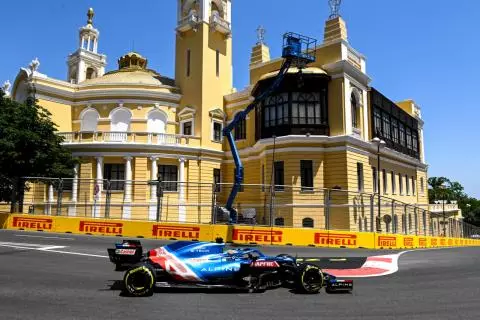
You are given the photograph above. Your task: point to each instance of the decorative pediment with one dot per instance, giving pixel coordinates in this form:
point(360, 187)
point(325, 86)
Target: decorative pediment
point(218, 114)
point(186, 113)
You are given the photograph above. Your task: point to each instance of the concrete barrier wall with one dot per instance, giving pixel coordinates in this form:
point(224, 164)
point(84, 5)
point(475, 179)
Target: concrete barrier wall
point(234, 234)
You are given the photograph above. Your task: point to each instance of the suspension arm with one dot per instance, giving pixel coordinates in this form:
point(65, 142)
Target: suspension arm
point(227, 132)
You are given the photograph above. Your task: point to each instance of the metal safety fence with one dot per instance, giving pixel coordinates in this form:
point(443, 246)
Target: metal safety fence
point(260, 205)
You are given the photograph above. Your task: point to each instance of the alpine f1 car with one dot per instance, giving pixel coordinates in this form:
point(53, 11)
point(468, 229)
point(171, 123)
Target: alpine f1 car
point(213, 265)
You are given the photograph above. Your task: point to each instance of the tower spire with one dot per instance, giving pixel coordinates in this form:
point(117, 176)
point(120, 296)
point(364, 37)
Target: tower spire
point(335, 26)
point(86, 62)
point(335, 8)
point(90, 15)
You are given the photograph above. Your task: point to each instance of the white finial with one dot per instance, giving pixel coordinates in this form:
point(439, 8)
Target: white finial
point(6, 88)
point(335, 8)
point(34, 65)
point(261, 35)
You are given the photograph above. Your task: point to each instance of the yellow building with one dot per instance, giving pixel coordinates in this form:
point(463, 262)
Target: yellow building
point(316, 131)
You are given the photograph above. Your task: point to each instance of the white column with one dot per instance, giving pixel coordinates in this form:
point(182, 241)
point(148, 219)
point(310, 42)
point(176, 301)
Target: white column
point(182, 214)
point(152, 215)
point(81, 41)
point(99, 186)
point(348, 108)
point(95, 44)
point(153, 176)
point(365, 129)
point(88, 44)
point(127, 206)
point(128, 178)
point(72, 207)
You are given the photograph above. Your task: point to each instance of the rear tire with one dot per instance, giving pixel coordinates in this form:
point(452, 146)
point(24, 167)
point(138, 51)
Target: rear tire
point(310, 279)
point(139, 281)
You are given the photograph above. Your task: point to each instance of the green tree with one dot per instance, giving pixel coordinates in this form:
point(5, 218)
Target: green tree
point(29, 147)
point(435, 190)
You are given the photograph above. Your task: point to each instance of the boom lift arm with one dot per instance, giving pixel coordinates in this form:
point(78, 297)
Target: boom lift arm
point(297, 51)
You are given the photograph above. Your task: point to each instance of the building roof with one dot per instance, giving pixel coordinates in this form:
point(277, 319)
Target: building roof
point(132, 70)
point(308, 70)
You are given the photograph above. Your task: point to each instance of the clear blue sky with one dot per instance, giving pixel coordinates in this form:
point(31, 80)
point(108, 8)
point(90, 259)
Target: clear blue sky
point(424, 50)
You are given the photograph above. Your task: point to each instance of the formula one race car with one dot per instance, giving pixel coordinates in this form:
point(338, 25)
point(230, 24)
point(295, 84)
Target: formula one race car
point(213, 265)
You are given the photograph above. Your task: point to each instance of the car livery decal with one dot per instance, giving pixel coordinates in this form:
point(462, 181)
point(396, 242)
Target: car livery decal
point(173, 265)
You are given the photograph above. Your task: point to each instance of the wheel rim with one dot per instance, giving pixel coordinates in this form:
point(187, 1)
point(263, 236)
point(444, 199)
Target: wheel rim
point(312, 279)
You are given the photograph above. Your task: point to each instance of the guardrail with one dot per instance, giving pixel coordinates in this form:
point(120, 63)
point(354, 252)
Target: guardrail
point(257, 205)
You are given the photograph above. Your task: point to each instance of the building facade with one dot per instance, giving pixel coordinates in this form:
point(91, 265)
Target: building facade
point(315, 133)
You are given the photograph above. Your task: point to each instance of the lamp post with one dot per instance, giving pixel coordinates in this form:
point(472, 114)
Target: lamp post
point(443, 187)
point(379, 144)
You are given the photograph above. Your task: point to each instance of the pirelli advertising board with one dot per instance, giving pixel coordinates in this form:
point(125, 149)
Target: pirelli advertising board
point(236, 234)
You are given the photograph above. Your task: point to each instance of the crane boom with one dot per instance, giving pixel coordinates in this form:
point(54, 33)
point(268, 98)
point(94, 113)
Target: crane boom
point(292, 54)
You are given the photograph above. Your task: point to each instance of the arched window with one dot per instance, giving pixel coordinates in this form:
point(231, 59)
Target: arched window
point(279, 221)
point(156, 122)
point(89, 120)
point(307, 223)
point(354, 104)
point(120, 124)
point(91, 73)
point(216, 8)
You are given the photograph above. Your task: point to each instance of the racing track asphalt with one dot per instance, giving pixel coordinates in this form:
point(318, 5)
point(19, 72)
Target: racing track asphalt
point(430, 284)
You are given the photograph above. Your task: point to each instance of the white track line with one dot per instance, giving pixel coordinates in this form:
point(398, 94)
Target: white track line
point(29, 236)
point(36, 247)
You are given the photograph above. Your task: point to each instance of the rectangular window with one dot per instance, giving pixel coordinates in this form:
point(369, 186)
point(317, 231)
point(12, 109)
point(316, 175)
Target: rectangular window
point(386, 125)
point(187, 128)
point(402, 134)
point(360, 182)
point(374, 179)
point(385, 184)
point(409, 138)
point(279, 176)
point(395, 135)
point(115, 172)
point(240, 131)
point(413, 185)
point(169, 176)
point(188, 63)
point(306, 173)
point(217, 131)
point(415, 141)
point(421, 185)
point(394, 185)
point(407, 185)
point(216, 179)
point(400, 183)
point(217, 63)
point(377, 122)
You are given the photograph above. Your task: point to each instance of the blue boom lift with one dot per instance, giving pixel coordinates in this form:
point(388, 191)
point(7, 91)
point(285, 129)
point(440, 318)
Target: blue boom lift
point(298, 51)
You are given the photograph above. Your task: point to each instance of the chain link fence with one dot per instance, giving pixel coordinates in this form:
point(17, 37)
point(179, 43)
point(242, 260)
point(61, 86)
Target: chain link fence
point(261, 205)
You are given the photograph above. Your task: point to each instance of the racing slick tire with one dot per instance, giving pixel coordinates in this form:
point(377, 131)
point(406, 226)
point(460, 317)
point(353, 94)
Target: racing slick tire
point(139, 280)
point(310, 279)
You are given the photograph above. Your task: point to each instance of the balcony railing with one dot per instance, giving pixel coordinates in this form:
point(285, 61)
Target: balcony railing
point(84, 137)
point(219, 24)
point(188, 22)
point(438, 207)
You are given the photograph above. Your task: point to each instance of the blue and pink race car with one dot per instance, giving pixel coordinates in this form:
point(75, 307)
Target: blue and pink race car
point(213, 265)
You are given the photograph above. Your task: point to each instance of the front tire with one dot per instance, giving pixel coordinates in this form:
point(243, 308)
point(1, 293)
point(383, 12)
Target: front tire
point(139, 281)
point(310, 279)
